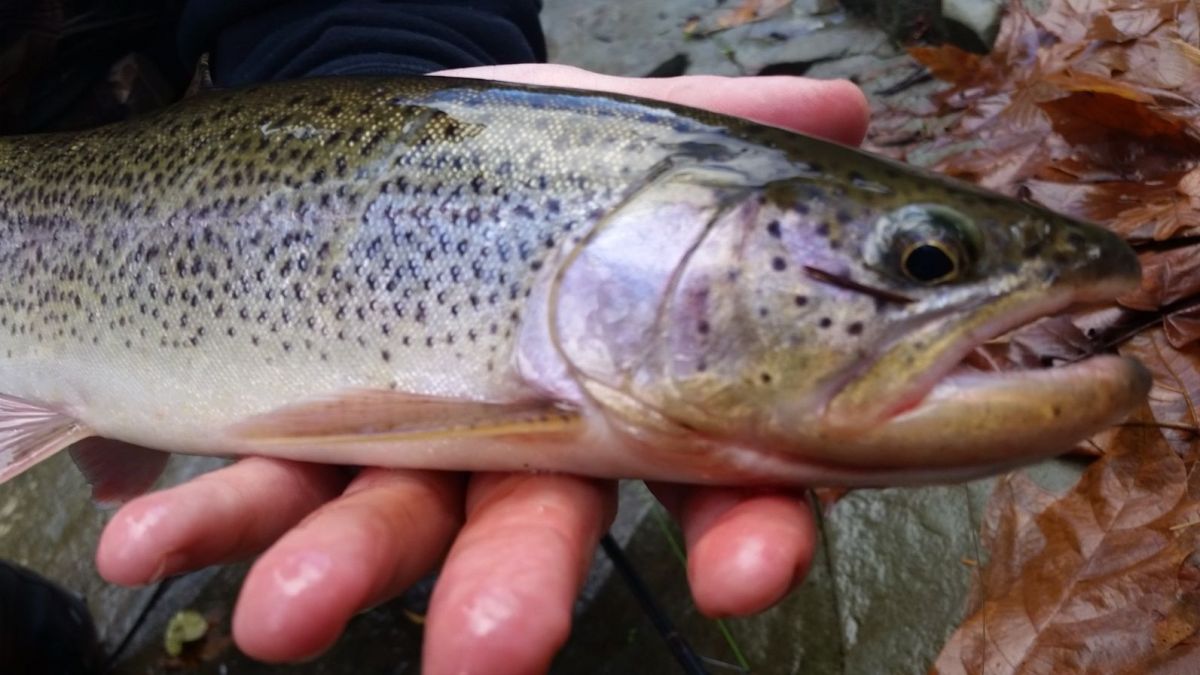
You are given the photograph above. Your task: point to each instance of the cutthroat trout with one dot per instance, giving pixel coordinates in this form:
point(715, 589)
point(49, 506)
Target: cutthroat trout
point(456, 274)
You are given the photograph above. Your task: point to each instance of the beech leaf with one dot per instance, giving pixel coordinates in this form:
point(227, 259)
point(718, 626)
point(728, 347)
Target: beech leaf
point(1092, 108)
point(1090, 576)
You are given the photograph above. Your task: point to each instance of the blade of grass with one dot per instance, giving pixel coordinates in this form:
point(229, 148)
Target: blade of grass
point(665, 525)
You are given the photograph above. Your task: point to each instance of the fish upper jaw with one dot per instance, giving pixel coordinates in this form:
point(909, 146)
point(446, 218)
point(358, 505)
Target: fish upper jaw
point(904, 370)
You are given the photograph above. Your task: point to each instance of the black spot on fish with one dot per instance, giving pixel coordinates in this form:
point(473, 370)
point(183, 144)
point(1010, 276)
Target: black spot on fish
point(778, 264)
point(825, 322)
point(855, 328)
point(774, 230)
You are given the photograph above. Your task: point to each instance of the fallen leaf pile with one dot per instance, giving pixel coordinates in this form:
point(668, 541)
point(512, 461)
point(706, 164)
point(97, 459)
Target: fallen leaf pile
point(1092, 108)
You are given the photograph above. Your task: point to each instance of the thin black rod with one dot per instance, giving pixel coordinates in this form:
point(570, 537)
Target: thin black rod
point(688, 660)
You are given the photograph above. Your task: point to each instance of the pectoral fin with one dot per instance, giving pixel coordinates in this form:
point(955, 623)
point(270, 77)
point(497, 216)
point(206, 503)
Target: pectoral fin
point(31, 432)
point(388, 416)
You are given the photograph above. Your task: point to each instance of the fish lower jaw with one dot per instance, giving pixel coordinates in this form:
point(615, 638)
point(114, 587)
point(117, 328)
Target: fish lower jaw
point(974, 418)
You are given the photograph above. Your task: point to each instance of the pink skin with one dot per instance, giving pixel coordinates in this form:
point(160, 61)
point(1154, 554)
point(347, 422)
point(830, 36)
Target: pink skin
point(514, 547)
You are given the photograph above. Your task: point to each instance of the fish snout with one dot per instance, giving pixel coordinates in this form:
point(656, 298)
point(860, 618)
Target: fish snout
point(1099, 263)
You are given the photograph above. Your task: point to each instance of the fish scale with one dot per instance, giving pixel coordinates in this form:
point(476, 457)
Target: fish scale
point(336, 243)
point(459, 274)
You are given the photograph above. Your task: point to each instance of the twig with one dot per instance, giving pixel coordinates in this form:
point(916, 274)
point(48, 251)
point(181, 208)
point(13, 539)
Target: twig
point(919, 75)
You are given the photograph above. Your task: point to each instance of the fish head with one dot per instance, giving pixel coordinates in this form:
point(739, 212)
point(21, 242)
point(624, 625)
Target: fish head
point(823, 319)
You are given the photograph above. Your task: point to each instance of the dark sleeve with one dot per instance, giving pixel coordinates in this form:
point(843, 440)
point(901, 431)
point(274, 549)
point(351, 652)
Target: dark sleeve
point(259, 40)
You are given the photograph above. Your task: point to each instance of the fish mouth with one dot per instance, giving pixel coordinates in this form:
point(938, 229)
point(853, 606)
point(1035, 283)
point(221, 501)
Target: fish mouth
point(972, 417)
point(954, 415)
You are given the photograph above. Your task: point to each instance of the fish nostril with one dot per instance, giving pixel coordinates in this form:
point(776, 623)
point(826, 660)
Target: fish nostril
point(1076, 239)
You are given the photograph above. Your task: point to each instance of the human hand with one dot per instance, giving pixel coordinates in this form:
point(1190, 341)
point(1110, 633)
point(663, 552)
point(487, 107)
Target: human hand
point(516, 547)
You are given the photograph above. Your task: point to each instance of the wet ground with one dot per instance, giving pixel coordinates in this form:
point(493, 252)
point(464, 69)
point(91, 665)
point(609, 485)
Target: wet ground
point(891, 579)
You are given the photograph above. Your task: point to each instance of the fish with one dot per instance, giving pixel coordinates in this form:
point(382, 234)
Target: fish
point(439, 273)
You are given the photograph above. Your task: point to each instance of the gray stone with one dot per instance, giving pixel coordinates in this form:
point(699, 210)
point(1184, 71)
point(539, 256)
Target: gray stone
point(980, 17)
point(816, 6)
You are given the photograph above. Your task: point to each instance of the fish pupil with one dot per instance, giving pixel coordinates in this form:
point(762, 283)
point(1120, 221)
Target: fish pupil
point(928, 263)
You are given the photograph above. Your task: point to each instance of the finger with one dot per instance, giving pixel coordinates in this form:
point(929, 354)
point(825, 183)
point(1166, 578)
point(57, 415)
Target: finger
point(833, 109)
point(746, 549)
point(503, 601)
point(221, 516)
point(389, 529)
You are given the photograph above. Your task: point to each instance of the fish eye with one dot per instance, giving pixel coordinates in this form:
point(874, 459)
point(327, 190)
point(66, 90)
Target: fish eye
point(929, 262)
point(926, 244)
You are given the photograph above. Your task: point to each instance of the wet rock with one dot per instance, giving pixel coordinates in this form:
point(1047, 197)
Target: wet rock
point(977, 21)
point(969, 24)
point(816, 6)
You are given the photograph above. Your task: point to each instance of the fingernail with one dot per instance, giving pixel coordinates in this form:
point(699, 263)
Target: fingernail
point(168, 565)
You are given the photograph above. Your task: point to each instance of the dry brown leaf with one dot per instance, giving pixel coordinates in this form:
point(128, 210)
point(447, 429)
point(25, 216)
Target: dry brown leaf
point(1091, 90)
point(1052, 340)
point(1093, 115)
point(1070, 20)
point(1089, 577)
point(1167, 278)
point(1172, 213)
point(1127, 24)
point(1190, 52)
point(1175, 394)
point(1098, 84)
point(1182, 328)
point(948, 62)
point(1159, 65)
point(1149, 210)
point(1007, 528)
point(1093, 108)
